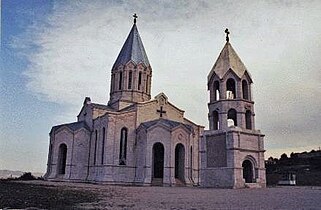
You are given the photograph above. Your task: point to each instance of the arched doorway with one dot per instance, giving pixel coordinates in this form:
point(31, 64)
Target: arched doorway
point(180, 162)
point(62, 158)
point(247, 171)
point(158, 161)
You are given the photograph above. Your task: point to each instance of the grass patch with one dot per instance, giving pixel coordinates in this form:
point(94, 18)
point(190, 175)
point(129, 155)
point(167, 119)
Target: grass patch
point(22, 195)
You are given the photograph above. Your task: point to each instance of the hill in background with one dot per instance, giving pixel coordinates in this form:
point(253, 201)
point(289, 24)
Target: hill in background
point(305, 165)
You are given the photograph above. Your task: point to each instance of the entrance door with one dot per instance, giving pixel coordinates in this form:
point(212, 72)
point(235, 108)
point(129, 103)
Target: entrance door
point(247, 171)
point(179, 162)
point(158, 160)
point(62, 157)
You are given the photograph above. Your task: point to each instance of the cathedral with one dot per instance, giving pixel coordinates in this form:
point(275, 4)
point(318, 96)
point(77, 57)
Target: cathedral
point(139, 140)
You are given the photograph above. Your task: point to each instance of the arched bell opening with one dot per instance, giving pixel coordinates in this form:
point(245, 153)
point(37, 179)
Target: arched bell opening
point(216, 90)
point(230, 89)
point(245, 90)
point(231, 118)
point(215, 120)
point(248, 119)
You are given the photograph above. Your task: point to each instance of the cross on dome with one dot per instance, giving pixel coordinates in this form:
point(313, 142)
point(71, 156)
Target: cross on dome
point(135, 17)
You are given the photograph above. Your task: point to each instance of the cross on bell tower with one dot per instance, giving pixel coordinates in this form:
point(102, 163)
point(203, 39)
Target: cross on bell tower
point(227, 35)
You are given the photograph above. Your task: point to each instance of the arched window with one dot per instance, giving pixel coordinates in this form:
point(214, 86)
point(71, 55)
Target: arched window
point(231, 118)
point(120, 81)
point(123, 146)
point(62, 158)
point(216, 91)
point(248, 119)
point(95, 146)
point(130, 78)
point(215, 120)
point(139, 80)
point(230, 89)
point(245, 90)
point(103, 146)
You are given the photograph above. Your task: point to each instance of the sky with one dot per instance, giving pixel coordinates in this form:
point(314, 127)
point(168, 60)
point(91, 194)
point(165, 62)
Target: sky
point(55, 53)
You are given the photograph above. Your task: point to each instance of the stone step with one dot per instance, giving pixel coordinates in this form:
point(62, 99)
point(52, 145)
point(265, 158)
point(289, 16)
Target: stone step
point(157, 182)
point(252, 185)
point(179, 183)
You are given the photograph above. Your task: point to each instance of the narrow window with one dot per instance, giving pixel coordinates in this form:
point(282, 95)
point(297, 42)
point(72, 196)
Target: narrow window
point(191, 163)
point(120, 81)
point(113, 82)
point(245, 90)
point(139, 80)
point(50, 156)
point(123, 146)
point(248, 119)
point(215, 120)
point(130, 77)
point(147, 80)
point(103, 146)
point(95, 147)
point(216, 91)
point(231, 118)
point(230, 89)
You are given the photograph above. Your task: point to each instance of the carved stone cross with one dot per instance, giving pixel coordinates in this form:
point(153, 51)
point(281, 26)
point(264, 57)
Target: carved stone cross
point(161, 111)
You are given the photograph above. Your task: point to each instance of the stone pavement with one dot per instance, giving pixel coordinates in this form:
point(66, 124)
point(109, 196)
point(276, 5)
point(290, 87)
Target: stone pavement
point(123, 197)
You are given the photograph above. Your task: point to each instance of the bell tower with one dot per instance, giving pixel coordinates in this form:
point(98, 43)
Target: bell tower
point(232, 149)
point(229, 84)
point(131, 73)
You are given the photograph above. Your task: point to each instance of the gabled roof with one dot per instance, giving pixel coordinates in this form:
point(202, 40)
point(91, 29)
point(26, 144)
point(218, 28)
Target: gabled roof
point(104, 107)
point(228, 59)
point(72, 126)
point(132, 50)
point(168, 123)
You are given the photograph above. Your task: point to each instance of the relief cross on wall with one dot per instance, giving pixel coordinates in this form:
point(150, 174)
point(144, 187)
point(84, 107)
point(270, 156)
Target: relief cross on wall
point(161, 111)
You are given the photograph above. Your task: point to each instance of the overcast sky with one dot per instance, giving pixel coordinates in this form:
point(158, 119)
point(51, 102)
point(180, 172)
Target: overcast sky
point(55, 53)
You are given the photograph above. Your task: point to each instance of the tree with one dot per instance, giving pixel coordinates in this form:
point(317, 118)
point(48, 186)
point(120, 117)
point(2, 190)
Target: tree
point(284, 156)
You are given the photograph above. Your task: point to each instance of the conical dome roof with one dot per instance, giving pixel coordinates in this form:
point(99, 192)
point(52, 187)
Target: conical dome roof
point(132, 50)
point(228, 59)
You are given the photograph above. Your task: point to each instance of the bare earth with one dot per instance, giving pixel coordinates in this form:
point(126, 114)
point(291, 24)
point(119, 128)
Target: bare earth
point(128, 197)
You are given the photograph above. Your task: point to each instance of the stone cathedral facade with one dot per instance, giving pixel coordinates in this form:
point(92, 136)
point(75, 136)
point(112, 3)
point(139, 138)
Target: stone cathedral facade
point(139, 140)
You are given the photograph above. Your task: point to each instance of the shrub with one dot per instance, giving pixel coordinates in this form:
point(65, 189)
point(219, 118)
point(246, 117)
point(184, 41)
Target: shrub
point(27, 176)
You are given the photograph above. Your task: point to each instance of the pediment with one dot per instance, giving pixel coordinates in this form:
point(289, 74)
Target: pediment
point(161, 99)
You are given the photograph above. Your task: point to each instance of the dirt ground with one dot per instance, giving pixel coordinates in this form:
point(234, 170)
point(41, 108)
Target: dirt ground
point(128, 197)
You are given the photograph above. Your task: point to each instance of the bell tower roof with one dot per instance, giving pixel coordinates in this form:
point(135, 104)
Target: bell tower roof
point(133, 49)
point(228, 59)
